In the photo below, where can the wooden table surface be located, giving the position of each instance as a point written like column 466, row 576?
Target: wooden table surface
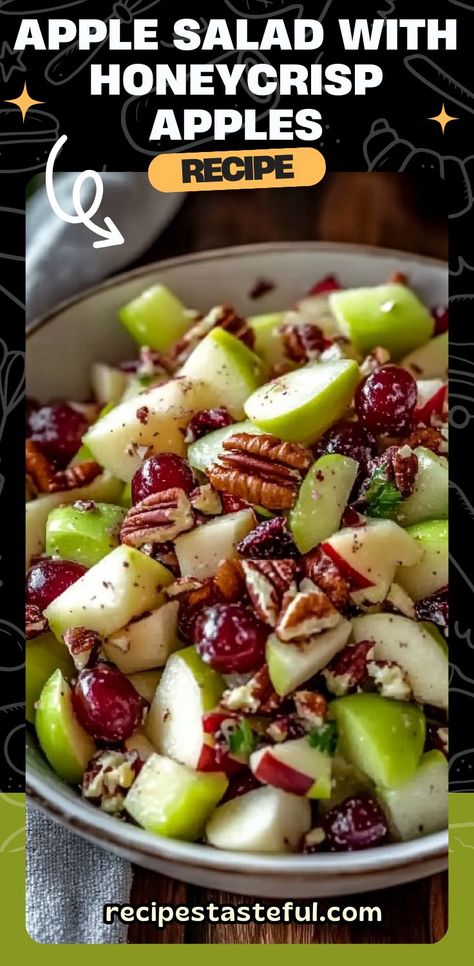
column 377, row 209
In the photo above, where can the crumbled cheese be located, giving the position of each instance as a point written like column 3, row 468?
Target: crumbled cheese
column 390, row 680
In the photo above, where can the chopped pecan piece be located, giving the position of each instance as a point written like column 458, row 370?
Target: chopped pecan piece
column 390, row 680
column 223, row 316
column 229, row 580
column 311, row 706
column 302, row 343
column 38, row 467
column 261, row 469
column 206, row 500
column 397, row 278
column 430, row 438
column 74, row 476
column 348, row 671
column 35, row 622
column 286, row 727
column 378, row 357
column 83, row 645
column 256, row 695
column 324, row 573
column 164, row 553
column 183, row 585
column 109, row 776
column 270, row 585
column 405, row 468
column 308, row 612
column 158, row 518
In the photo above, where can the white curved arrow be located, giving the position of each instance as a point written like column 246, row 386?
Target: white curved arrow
column 110, row 234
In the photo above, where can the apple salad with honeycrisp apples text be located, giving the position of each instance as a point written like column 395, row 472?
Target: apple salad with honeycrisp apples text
column 237, row 568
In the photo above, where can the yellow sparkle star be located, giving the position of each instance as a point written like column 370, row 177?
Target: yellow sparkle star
column 24, row 101
column 443, row 118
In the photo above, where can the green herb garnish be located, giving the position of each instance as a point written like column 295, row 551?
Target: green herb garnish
column 242, row 740
column 382, row 497
column 324, row 738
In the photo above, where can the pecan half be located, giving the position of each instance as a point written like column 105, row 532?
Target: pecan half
column 308, row 612
column 83, row 645
column 324, row 573
column 229, row 580
column 206, row 500
column 270, row 584
column 74, row 476
column 38, row 467
column 302, row 343
column 430, row 438
column 108, row 777
column 261, row 469
column 35, row 622
column 158, row 518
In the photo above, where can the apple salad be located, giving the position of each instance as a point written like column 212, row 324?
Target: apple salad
column 237, row 568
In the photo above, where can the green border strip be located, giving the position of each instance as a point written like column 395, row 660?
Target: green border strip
column 456, row 942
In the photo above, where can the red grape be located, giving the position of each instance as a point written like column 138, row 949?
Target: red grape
column 385, row 401
column 48, row 578
column 106, row 703
column 58, row 429
column 230, row 638
column 357, row 823
column 327, row 284
column 162, row 472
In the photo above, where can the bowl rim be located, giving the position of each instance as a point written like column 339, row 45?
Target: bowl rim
column 104, row 829
column 233, row 251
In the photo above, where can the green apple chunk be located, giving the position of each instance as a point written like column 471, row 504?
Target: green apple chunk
column 188, row 688
column 322, row 499
column 290, row 665
column 146, row 682
column 299, row 406
column 65, row 743
column 295, row 767
column 83, row 534
column 231, row 370
column 429, row 500
column 417, row 647
column 385, row 315
column 369, row 555
column 123, row 585
column 108, row 383
column 346, row 781
column 206, row 450
column 381, row 737
column 146, row 643
column 104, row 488
column 153, row 422
column 44, row 654
column 264, row 820
column 268, row 341
column 172, row 800
column 155, row 318
column 431, row 573
column 430, row 360
column 420, row 805
column 200, row 551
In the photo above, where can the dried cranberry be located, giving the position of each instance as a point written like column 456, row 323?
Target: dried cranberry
column 440, row 315
column 49, row 578
column 435, row 609
column 106, row 703
column 348, row 439
column 230, row 504
column 159, row 473
column 357, row 823
column 349, row 667
column 240, row 786
column 385, row 401
column 271, row 540
column 206, row 421
column 327, row 284
column 230, row 638
column 58, row 429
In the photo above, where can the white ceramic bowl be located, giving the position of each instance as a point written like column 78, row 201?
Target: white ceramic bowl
column 61, row 348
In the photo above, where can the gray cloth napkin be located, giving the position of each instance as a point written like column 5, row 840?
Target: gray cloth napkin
column 69, row 880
